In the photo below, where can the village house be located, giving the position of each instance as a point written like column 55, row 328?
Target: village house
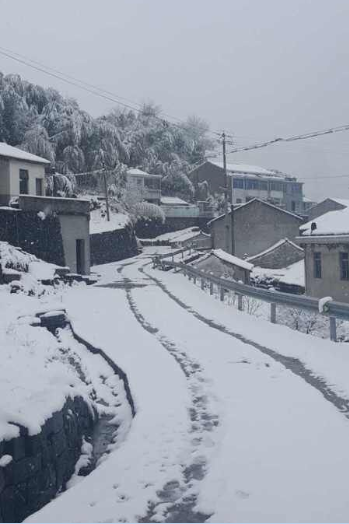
column 247, row 182
column 280, row 255
column 329, row 204
column 257, row 225
column 223, row 265
column 21, row 173
column 144, row 186
column 325, row 241
column 54, row 229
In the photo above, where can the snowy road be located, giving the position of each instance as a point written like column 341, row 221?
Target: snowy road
column 231, row 424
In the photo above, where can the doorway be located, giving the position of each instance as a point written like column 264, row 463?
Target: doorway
column 80, row 256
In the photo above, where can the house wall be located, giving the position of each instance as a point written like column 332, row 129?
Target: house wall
column 330, row 284
column 222, row 269
column 4, row 181
column 34, row 171
column 74, row 228
column 323, row 207
column 214, row 175
column 280, row 257
column 257, row 227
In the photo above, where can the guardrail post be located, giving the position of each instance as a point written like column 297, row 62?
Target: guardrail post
column 221, row 293
column 172, row 257
column 211, row 288
column 273, row 313
column 240, row 304
column 333, row 329
column 194, row 278
column 202, row 283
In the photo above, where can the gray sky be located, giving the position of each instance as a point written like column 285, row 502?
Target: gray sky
column 256, row 68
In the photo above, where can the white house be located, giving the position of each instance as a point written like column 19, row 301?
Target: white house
column 144, row 185
column 21, row 173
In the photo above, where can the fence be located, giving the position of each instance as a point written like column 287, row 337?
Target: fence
column 333, row 310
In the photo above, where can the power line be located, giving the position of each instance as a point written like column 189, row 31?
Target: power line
column 90, row 88
column 293, row 138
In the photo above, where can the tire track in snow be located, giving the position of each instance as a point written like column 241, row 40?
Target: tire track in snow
column 292, row 364
column 177, row 503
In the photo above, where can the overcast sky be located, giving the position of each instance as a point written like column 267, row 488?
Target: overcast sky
column 256, row 68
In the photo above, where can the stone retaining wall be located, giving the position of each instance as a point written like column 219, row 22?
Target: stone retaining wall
column 111, row 246
column 42, row 464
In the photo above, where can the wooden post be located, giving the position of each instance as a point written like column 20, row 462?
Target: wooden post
column 211, row 288
column 221, row 293
column 333, row 329
column 273, row 313
column 194, row 278
column 240, row 304
column 202, row 283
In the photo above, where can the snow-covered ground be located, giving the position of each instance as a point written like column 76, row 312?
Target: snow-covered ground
column 224, row 430
column 100, row 224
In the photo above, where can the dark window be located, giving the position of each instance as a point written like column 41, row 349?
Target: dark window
column 23, row 182
column 238, row 183
column 293, row 205
column 252, row 184
column 344, row 265
column 276, row 186
column 296, row 188
column 317, row 265
column 38, row 186
column 80, row 256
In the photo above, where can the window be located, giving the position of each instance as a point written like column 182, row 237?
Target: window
column 317, row 265
column 276, row 186
column 38, row 186
column 139, row 182
column 238, row 200
column 263, row 186
column 293, row 205
column 344, row 265
column 296, row 188
column 238, row 183
column 252, row 184
column 23, row 182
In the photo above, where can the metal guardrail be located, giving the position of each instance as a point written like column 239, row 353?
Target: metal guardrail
column 333, row 310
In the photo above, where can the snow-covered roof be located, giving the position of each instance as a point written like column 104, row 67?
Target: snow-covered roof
column 241, row 206
column 13, row 152
column 331, row 223
column 246, row 169
column 173, row 201
column 293, row 274
column 275, row 246
column 341, row 201
column 231, row 259
column 134, row 171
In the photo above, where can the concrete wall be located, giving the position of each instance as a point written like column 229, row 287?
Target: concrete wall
column 330, row 283
column 280, row 257
column 42, row 463
column 323, row 207
column 50, row 205
column 257, row 226
column 74, row 228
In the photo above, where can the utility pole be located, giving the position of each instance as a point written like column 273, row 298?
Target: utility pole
column 228, row 203
column 106, row 192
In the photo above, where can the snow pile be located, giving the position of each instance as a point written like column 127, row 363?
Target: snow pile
column 100, row 224
column 323, row 304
